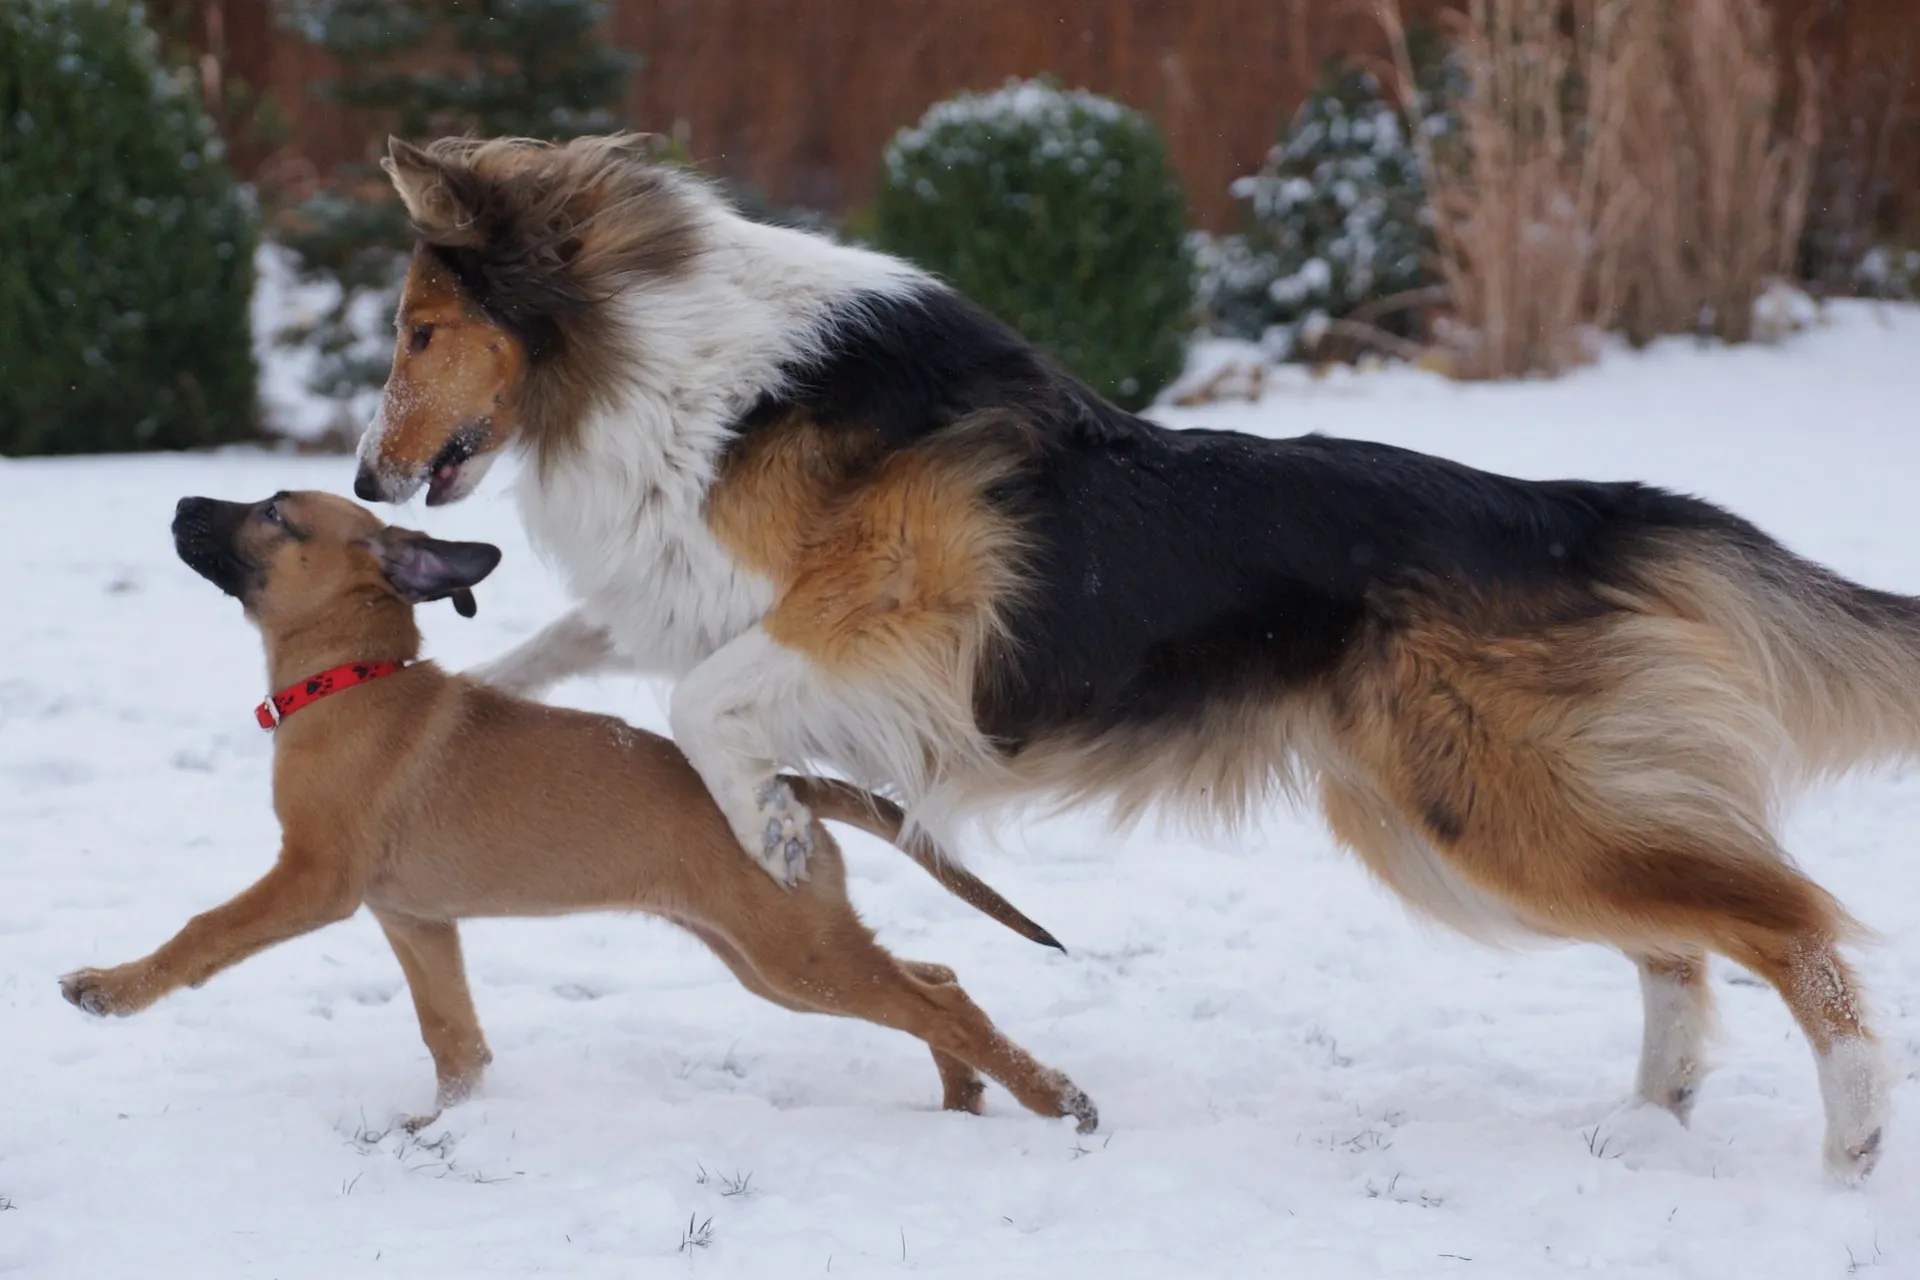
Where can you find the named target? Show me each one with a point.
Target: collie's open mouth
(443, 482)
(445, 476)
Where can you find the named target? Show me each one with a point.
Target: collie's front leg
(574, 645)
(728, 715)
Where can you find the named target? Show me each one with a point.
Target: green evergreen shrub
(1059, 213)
(126, 245)
(1335, 220)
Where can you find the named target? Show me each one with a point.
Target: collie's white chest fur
(622, 510)
(629, 536)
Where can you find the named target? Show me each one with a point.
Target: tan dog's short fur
(431, 798)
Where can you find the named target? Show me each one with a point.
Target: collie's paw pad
(786, 833)
(94, 991)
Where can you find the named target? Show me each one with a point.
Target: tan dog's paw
(414, 1124)
(1074, 1102)
(105, 991)
(453, 1089)
(969, 1096)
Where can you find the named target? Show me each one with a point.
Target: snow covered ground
(1294, 1079)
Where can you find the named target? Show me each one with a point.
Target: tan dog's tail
(844, 802)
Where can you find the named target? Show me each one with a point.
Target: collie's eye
(422, 334)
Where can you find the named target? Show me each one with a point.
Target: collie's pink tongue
(441, 481)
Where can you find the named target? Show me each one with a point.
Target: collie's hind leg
(1679, 1018)
(1744, 900)
(1680, 896)
(1612, 781)
(1820, 989)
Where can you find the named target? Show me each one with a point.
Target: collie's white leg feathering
(572, 646)
(727, 716)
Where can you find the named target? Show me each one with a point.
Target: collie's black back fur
(1174, 566)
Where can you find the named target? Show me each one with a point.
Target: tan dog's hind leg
(961, 1088)
(429, 955)
(298, 896)
(960, 1084)
(842, 970)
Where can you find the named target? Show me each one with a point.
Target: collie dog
(868, 527)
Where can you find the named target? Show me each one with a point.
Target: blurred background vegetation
(1324, 182)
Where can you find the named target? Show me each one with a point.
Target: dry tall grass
(1619, 164)
(1525, 195)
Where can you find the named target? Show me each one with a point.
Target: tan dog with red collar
(468, 802)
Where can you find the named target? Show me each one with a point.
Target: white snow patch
(1294, 1080)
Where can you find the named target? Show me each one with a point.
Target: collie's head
(504, 334)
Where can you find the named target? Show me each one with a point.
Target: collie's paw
(786, 833)
(103, 992)
(1854, 1083)
(1851, 1163)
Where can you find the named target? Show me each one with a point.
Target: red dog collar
(295, 696)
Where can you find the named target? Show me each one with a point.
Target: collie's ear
(420, 568)
(425, 187)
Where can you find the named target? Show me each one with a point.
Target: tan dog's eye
(422, 334)
(271, 513)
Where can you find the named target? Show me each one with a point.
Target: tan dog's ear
(420, 568)
(427, 186)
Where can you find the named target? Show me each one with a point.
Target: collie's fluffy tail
(1837, 664)
(846, 803)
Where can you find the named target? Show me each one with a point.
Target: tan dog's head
(301, 557)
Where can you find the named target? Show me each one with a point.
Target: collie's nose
(366, 486)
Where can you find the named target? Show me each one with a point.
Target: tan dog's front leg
(429, 954)
(298, 896)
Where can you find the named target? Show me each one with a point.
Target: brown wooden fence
(797, 97)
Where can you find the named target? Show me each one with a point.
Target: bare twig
(1374, 336)
(1406, 300)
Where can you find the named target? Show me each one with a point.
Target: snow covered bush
(1889, 271)
(1335, 221)
(1058, 212)
(126, 246)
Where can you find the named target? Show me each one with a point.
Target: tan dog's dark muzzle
(204, 530)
